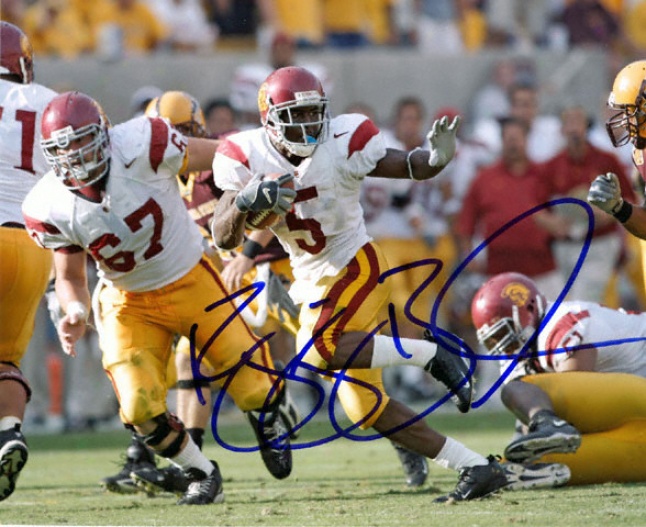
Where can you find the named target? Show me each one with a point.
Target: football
(258, 221)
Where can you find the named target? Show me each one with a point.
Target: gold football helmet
(628, 98)
(182, 110)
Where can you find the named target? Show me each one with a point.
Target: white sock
(192, 457)
(456, 456)
(9, 423)
(385, 352)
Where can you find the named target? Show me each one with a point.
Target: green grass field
(343, 483)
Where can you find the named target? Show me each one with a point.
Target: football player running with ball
(112, 193)
(336, 265)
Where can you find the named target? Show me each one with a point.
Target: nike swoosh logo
(129, 163)
(336, 136)
(267, 194)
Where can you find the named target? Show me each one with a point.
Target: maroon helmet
(69, 119)
(285, 90)
(506, 312)
(16, 54)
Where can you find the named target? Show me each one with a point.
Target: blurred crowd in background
(69, 28)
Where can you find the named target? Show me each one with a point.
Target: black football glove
(260, 194)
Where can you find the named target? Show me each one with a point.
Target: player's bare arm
(579, 360)
(394, 165)
(235, 270)
(636, 224)
(228, 224)
(74, 297)
(200, 153)
(419, 164)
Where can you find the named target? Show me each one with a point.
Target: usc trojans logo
(262, 98)
(516, 292)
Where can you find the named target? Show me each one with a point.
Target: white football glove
(605, 193)
(442, 139)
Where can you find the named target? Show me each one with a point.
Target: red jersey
(497, 197)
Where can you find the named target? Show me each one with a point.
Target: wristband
(78, 309)
(251, 249)
(408, 163)
(624, 212)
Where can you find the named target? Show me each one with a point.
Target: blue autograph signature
(297, 370)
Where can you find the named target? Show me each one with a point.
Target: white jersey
(325, 228)
(145, 239)
(618, 336)
(22, 162)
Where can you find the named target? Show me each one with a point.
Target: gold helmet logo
(263, 105)
(516, 292)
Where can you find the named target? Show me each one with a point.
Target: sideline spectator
(220, 117)
(544, 139)
(570, 173)
(491, 100)
(526, 246)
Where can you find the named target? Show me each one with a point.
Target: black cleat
(451, 370)
(547, 434)
(13, 457)
(476, 482)
(287, 407)
(273, 438)
(289, 414)
(415, 466)
(536, 475)
(153, 480)
(203, 489)
(138, 457)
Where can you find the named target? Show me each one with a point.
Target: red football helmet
(16, 55)
(72, 117)
(288, 89)
(506, 312)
